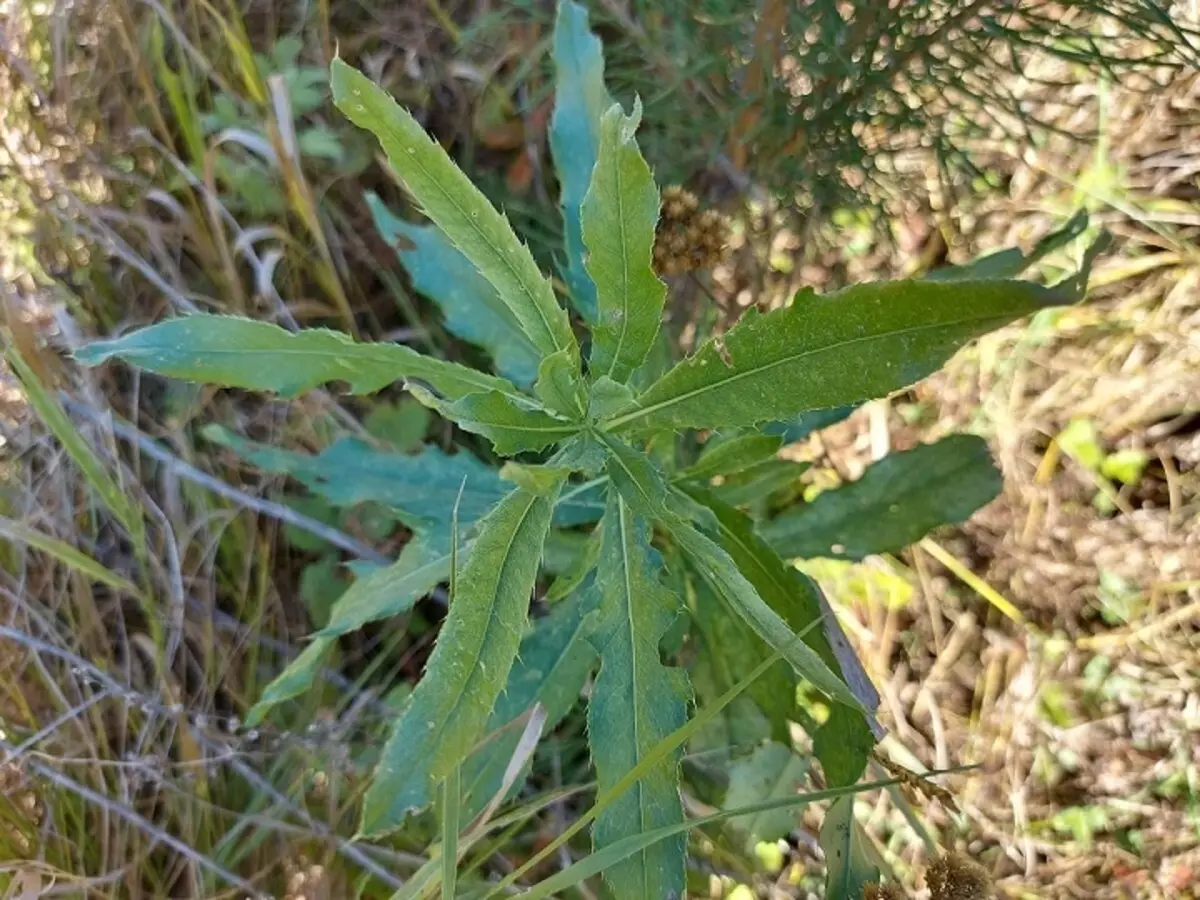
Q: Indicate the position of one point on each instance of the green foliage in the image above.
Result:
(896, 502)
(848, 868)
(602, 452)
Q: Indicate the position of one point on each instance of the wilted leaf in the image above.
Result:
(635, 703)
(848, 868)
(473, 309)
(458, 208)
(772, 771)
(827, 351)
(241, 353)
(580, 99)
(469, 666)
(896, 502)
(619, 217)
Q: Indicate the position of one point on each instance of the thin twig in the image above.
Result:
(266, 507)
(124, 812)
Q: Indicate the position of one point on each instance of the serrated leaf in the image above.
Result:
(848, 868)
(843, 742)
(560, 386)
(620, 214)
(826, 351)
(552, 666)
(241, 353)
(458, 208)
(733, 455)
(645, 489)
(635, 703)
(469, 665)
(580, 99)
(896, 502)
(772, 771)
(391, 590)
(422, 488)
(1010, 262)
(472, 308)
(512, 426)
(737, 650)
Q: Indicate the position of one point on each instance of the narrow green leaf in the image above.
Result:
(733, 455)
(469, 666)
(620, 213)
(450, 810)
(93, 468)
(737, 650)
(560, 386)
(848, 868)
(458, 208)
(635, 703)
(843, 742)
(896, 502)
(754, 486)
(552, 667)
(801, 426)
(20, 533)
(241, 353)
(391, 590)
(1011, 262)
(826, 351)
(581, 504)
(473, 309)
(512, 426)
(772, 771)
(580, 99)
(298, 678)
(644, 488)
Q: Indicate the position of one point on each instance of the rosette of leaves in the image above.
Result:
(678, 600)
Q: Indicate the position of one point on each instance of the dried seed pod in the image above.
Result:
(889, 891)
(955, 877)
(688, 238)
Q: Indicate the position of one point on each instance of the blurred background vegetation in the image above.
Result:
(161, 157)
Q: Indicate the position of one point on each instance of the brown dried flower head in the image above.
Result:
(955, 877)
(688, 238)
(887, 891)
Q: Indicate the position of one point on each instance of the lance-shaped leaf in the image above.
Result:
(826, 351)
(644, 488)
(241, 353)
(552, 666)
(511, 426)
(619, 217)
(473, 309)
(580, 99)
(896, 502)
(734, 455)
(844, 741)
(458, 208)
(738, 650)
(773, 771)
(298, 678)
(470, 664)
(635, 703)
(848, 867)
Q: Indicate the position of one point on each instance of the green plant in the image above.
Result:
(655, 482)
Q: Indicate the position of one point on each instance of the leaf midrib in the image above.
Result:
(640, 413)
(477, 651)
(472, 222)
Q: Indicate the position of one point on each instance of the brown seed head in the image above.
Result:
(955, 877)
(887, 891)
(688, 238)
